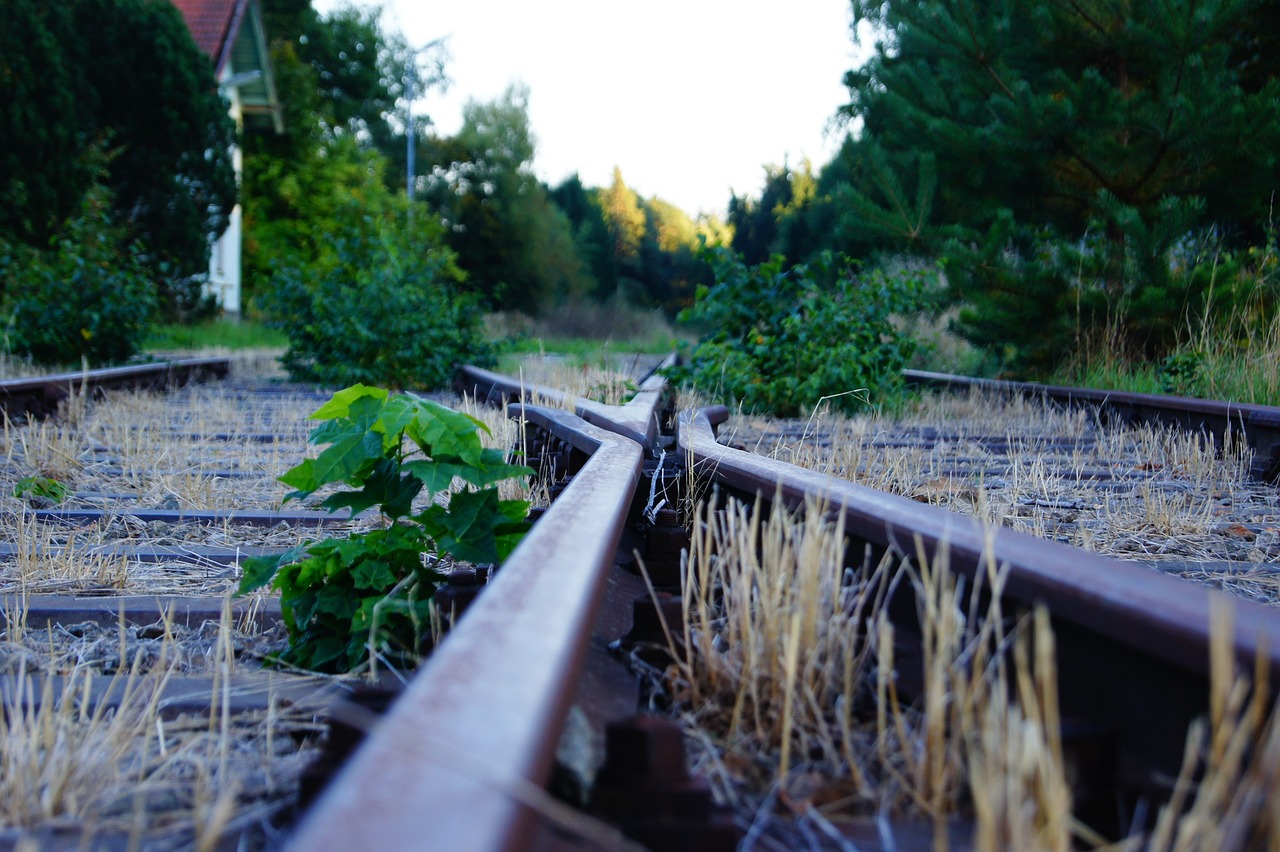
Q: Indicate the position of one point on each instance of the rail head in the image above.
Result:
(1165, 617)
(1258, 425)
(637, 419)
(452, 763)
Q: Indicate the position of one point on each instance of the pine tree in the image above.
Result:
(1126, 123)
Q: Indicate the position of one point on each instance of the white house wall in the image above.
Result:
(224, 258)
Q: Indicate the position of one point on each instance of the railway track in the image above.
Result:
(526, 687)
(40, 396)
(1255, 426)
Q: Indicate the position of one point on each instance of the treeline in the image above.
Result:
(1086, 179)
(114, 169)
(518, 244)
(116, 173)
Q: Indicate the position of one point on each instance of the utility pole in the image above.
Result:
(411, 136)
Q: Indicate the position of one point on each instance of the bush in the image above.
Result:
(87, 297)
(386, 312)
(780, 340)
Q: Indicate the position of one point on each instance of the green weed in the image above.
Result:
(347, 599)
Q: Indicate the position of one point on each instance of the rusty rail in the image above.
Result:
(459, 757)
(1133, 644)
(639, 419)
(478, 725)
(39, 397)
(1258, 426)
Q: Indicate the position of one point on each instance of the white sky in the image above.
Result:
(690, 98)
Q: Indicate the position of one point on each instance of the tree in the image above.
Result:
(42, 171)
(125, 73)
(763, 226)
(591, 236)
(624, 217)
(338, 79)
(1012, 125)
(517, 250)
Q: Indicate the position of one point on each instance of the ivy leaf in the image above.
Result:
(440, 432)
(437, 476)
(471, 526)
(373, 574)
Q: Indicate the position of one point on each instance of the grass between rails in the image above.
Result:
(123, 773)
(1158, 496)
(785, 673)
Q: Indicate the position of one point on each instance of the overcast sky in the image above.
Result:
(690, 98)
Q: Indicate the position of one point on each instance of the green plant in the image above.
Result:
(344, 599)
(219, 333)
(88, 296)
(42, 487)
(385, 310)
(784, 339)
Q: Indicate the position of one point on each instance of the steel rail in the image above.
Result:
(40, 396)
(479, 723)
(638, 419)
(1258, 426)
(1133, 645)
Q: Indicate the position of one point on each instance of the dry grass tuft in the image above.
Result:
(788, 674)
(786, 663)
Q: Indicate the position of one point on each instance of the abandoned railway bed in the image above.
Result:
(939, 634)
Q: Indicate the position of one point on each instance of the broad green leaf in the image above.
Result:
(373, 574)
(470, 523)
(322, 651)
(383, 486)
(505, 543)
(348, 460)
(302, 478)
(514, 510)
(444, 434)
(259, 570)
(437, 476)
(336, 600)
(340, 404)
(362, 417)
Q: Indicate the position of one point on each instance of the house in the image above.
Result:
(230, 32)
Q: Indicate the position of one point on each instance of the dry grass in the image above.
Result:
(786, 674)
(1133, 493)
(786, 665)
(122, 773)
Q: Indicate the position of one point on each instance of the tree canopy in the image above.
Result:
(1056, 155)
(122, 77)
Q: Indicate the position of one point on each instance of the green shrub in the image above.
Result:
(386, 312)
(345, 598)
(780, 340)
(86, 297)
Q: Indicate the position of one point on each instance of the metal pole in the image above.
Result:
(410, 137)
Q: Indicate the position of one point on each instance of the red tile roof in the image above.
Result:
(213, 25)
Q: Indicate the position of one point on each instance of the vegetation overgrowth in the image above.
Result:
(368, 597)
(784, 339)
(785, 666)
(1070, 240)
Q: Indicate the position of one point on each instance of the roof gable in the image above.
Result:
(230, 32)
(213, 24)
